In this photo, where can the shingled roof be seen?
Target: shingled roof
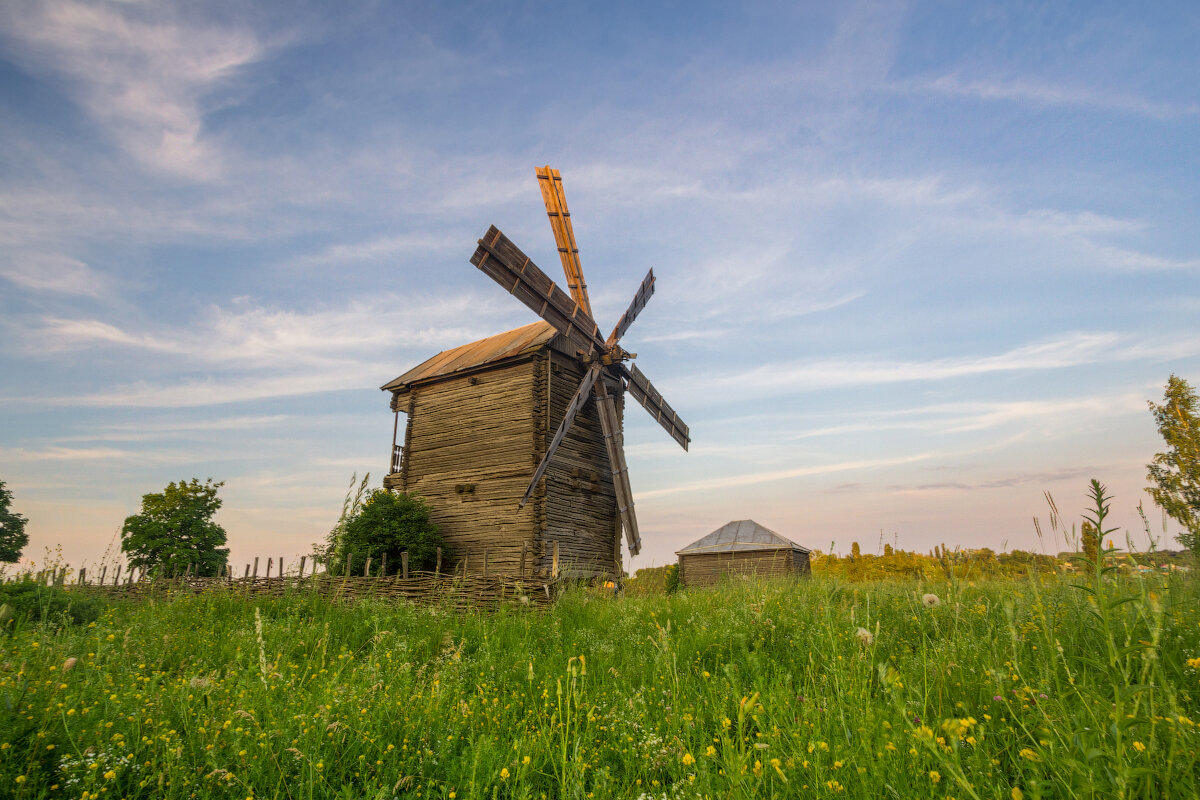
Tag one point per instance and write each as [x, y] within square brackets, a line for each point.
[467, 357]
[740, 536]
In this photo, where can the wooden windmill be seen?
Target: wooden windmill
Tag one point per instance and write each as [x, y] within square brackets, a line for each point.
[477, 442]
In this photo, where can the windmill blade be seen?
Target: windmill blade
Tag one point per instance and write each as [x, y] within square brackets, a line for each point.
[581, 396]
[504, 263]
[635, 307]
[550, 182]
[644, 392]
[614, 442]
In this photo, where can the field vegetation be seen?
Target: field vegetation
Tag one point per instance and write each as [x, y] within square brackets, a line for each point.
[1050, 686]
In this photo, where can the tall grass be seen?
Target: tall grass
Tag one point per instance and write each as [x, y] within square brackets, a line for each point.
[1042, 688]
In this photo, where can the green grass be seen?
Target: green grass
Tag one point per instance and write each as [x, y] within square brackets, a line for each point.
[1003, 689]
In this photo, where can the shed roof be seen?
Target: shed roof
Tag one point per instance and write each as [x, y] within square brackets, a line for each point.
[738, 536]
[476, 354]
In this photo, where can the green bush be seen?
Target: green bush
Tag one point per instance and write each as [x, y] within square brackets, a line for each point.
[29, 601]
[671, 579]
[390, 523]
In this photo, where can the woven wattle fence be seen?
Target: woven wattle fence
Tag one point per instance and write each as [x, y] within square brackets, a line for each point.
[460, 588]
[418, 587]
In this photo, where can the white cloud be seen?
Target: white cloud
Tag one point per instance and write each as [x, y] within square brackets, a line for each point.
[1049, 94]
[733, 481]
[1133, 260]
[384, 248]
[1057, 353]
[141, 74]
[54, 272]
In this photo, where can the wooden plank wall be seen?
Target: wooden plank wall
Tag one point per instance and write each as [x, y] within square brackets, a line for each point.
[702, 569]
[580, 505]
[467, 452]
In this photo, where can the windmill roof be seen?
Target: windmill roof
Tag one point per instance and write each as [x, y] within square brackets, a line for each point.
[470, 356]
[737, 536]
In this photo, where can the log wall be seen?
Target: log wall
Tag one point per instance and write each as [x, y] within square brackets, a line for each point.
[468, 454]
[704, 569]
[580, 504]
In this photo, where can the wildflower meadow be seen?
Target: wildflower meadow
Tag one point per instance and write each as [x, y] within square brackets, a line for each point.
[1044, 687]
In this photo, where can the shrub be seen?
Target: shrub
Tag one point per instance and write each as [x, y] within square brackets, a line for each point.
[671, 579]
[388, 524]
[29, 601]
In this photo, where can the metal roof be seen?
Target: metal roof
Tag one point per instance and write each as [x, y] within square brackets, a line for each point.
[738, 536]
[476, 354]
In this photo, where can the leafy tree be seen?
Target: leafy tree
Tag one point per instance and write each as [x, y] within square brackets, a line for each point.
[1176, 473]
[389, 523]
[13, 537]
[175, 529]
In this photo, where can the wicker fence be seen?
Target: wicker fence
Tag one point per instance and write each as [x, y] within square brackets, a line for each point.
[457, 588]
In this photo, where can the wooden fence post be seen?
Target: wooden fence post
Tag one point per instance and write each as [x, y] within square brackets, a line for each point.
[281, 566]
[404, 564]
[438, 567]
[302, 560]
[103, 573]
[117, 577]
[270, 563]
[349, 558]
[554, 564]
[246, 574]
[383, 565]
[367, 568]
[82, 575]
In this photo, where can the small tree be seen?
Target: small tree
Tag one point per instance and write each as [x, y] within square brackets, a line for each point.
[1176, 473]
[175, 529]
[388, 524]
[13, 537]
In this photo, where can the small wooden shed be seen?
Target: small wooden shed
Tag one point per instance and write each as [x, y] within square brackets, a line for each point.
[741, 547]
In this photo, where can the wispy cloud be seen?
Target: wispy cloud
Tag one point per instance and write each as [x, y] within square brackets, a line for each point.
[735, 481]
[1027, 90]
[247, 334]
[53, 272]
[384, 248]
[1060, 352]
[138, 71]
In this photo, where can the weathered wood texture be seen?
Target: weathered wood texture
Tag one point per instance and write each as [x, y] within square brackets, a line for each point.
[471, 445]
[580, 504]
[420, 587]
[467, 452]
[703, 569]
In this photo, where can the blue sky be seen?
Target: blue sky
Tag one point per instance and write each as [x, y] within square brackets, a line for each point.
[917, 262]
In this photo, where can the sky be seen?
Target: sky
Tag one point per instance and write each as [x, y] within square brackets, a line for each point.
[917, 263]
